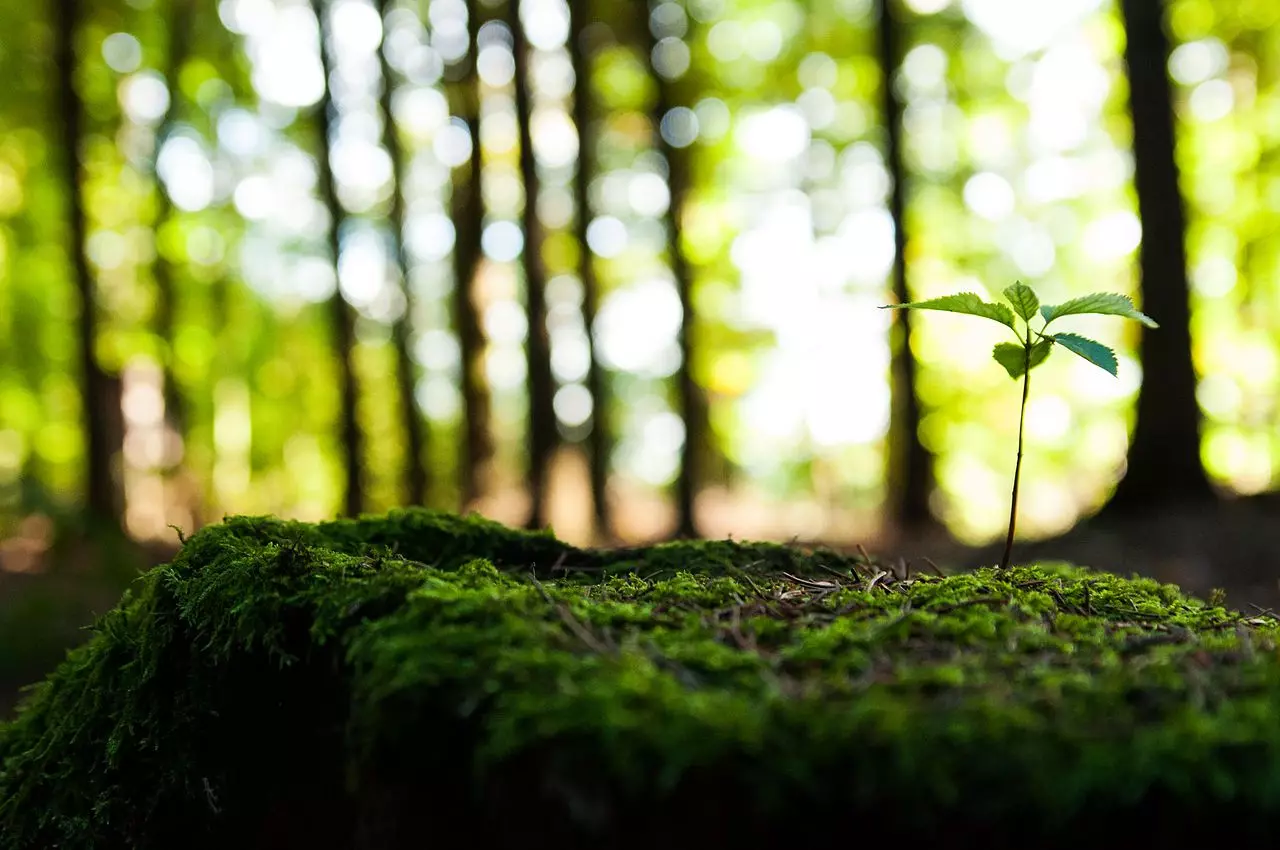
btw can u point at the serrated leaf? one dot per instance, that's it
(1099, 303)
(1095, 352)
(963, 302)
(1024, 300)
(1014, 357)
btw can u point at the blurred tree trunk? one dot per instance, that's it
(598, 442)
(1164, 463)
(181, 15)
(342, 315)
(542, 418)
(691, 405)
(413, 422)
(467, 209)
(99, 393)
(910, 464)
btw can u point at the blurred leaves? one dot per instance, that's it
(1016, 146)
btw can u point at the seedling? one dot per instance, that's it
(1034, 345)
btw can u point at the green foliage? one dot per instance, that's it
(252, 353)
(275, 655)
(1100, 303)
(963, 302)
(1034, 345)
(1092, 350)
(1024, 300)
(1025, 304)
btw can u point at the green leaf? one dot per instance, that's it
(1099, 303)
(1095, 352)
(1024, 300)
(1011, 357)
(1014, 357)
(964, 302)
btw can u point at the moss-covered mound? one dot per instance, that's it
(422, 679)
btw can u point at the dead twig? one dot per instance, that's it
(580, 631)
(735, 629)
(545, 595)
(1063, 603)
(814, 585)
(875, 580)
(741, 572)
(817, 598)
(566, 616)
(834, 572)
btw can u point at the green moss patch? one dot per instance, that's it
(378, 682)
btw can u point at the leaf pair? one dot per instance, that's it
(1025, 304)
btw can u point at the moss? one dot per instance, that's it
(373, 678)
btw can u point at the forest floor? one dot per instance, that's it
(50, 592)
(1232, 545)
(45, 603)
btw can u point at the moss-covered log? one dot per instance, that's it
(422, 679)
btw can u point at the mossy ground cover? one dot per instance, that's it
(422, 679)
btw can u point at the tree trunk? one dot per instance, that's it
(467, 209)
(1164, 464)
(181, 16)
(99, 394)
(541, 384)
(598, 442)
(691, 404)
(413, 423)
(342, 315)
(910, 464)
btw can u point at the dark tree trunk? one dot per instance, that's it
(342, 315)
(1164, 464)
(413, 423)
(181, 15)
(99, 394)
(542, 417)
(468, 220)
(598, 441)
(691, 404)
(910, 464)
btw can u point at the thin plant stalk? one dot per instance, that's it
(1017, 467)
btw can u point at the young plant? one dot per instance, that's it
(1034, 345)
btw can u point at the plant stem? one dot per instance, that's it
(1017, 468)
